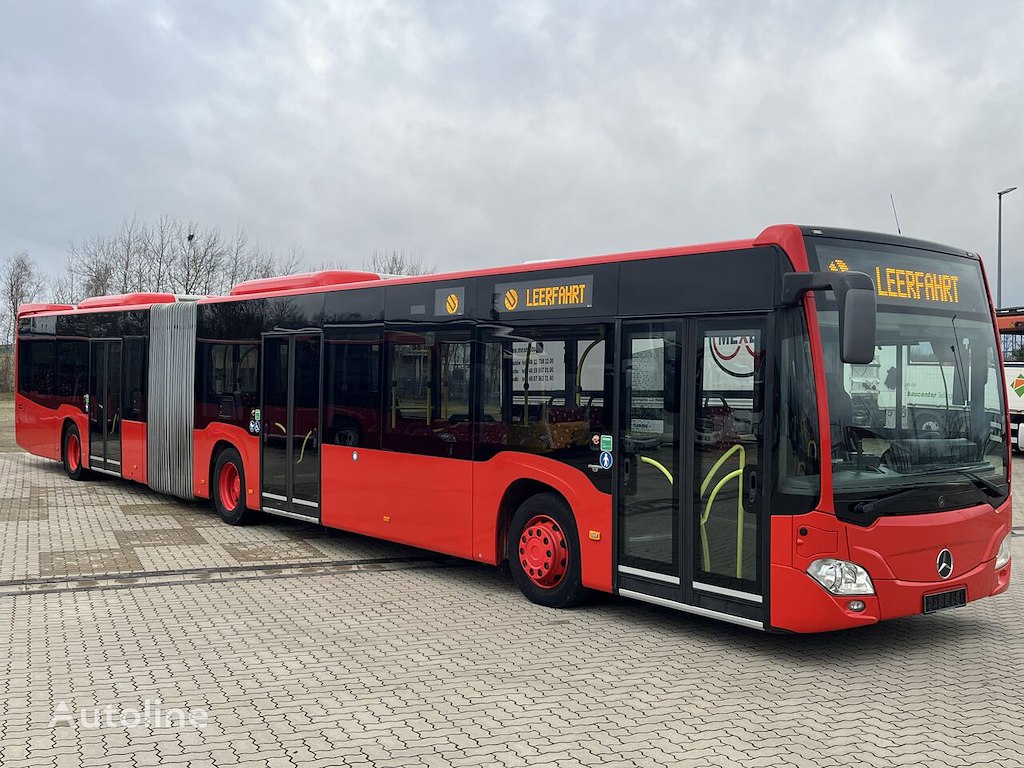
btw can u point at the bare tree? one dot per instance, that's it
(263, 261)
(238, 264)
(330, 264)
(62, 289)
(93, 262)
(291, 262)
(160, 253)
(129, 249)
(398, 262)
(168, 255)
(20, 283)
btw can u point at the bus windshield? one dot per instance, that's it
(927, 413)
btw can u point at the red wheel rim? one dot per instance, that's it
(74, 453)
(230, 486)
(543, 552)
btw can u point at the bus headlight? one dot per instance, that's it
(1003, 555)
(841, 577)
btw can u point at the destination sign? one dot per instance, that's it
(537, 295)
(912, 277)
(917, 285)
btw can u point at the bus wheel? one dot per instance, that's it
(544, 552)
(72, 454)
(229, 488)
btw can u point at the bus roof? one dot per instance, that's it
(789, 237)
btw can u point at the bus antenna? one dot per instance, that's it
(898, 230)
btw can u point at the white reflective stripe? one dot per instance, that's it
(275, 496)
(303, 502)
(96, 458)
(113, 461)
(105, 471)
(648, 574)
(692, 609)
(749, 596)
(294, 515)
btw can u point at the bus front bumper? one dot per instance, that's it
(800, 604)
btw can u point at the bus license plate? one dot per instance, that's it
(954, 598)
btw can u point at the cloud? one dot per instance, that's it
(475, 135)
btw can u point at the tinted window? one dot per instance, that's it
(36, 367)
(428, 407)
(546, 390)
(352, 395)
(226, 382)
(135, 379)
(72, 369)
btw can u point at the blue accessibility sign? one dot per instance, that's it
(606, 460)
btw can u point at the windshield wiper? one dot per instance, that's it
(980, 482)
(878, 505)
(986, 485)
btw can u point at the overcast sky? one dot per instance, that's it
(472, 136)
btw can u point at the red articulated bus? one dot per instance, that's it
(735, 430)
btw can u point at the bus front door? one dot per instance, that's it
(290, 425)
(104, 405)
(690, 445)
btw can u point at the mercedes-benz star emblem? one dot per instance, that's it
(944, 563)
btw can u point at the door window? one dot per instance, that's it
(649, 448)
(728, 428)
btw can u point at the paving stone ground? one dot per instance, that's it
(291, 658)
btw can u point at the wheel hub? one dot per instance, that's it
(543, 552)
(230, 486)
(74, 453)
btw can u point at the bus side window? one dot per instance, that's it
(427, 405)
(36, 367)
(544, 389)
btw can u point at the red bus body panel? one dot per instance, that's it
(591, 508)
(133, 451)
(37, 428)
(204, 441)
(426, 501)
(451, 506)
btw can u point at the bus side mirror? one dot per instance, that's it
(857, 317)
(855, 293)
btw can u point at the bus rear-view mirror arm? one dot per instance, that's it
(855, 293)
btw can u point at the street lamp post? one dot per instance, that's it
(999, 250)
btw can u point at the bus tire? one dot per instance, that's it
(71, 454)
(544, 552)
(228, 491)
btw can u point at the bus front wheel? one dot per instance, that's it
(72, 454)
(544, 552)
(228, 490)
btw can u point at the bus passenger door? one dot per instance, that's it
(648, 508)
(689, 449)
(104, 405)
(726, 510)
(290, 425)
